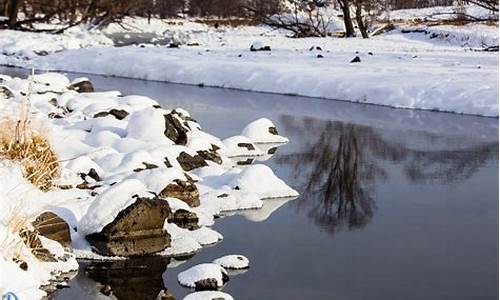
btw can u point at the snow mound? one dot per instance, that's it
(251, 180)
(263, 131)
(108, 205)
(208, 295)
(201, 272)
(235, 262)
(147, 125)
(241, 146)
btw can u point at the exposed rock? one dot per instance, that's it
(185, 219)
(83, 86)
(53, 227)
(209, 284)
(258, 46)
(147, 166)
(182, 190)
(137, 230)
(176, 127)
(167, 163)
(356, 59)
(189, 162)
(119, 114)
(249, 146)
(211, 154)
(165, 294)
(23, 265)
(5, 92)
(94, 175)
(273, 130)
(207, 276)
(245, 162)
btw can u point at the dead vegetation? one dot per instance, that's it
(19, 142)
(32, 150)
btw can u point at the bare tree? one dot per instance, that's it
(304, 18)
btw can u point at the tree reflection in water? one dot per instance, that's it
(340, 166)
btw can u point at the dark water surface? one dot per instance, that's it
(395, 204)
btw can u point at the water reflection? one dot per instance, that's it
(134, 278)
(338, 166)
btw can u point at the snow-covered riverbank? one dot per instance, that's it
(118, 156)
(437, 68)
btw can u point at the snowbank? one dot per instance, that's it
(433, 71)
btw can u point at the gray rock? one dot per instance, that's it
(185, 219)
(84, 86)
(137, 230)
(189, 162)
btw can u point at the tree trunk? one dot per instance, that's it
(13, 10)
(360, 21)
(349, 28)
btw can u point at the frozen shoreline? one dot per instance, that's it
(438, 68)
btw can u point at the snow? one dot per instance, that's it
(433, 71)
(208, 295)
(241, 146)
(258, 132)
(107, 205)
(233, 261)
(20, 202)
(200, 272)
(251, 179)
(147, 125)
(118, 151)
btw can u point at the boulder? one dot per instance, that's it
(185, 219)
(209, 284)
(182, 190)
(208, 276)
(189, 162)
(176, 128)
(53, 227)
(82, 86)
(137, 230)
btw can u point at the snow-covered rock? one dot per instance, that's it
(263, 131)
(208, 295)
(201, 273)
(233, 261)
(241, 146)
(251, 180)
(109, 204)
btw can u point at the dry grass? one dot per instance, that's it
(32, 150)
(20, 143)
(17, 223)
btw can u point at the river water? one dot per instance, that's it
(395, 204)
